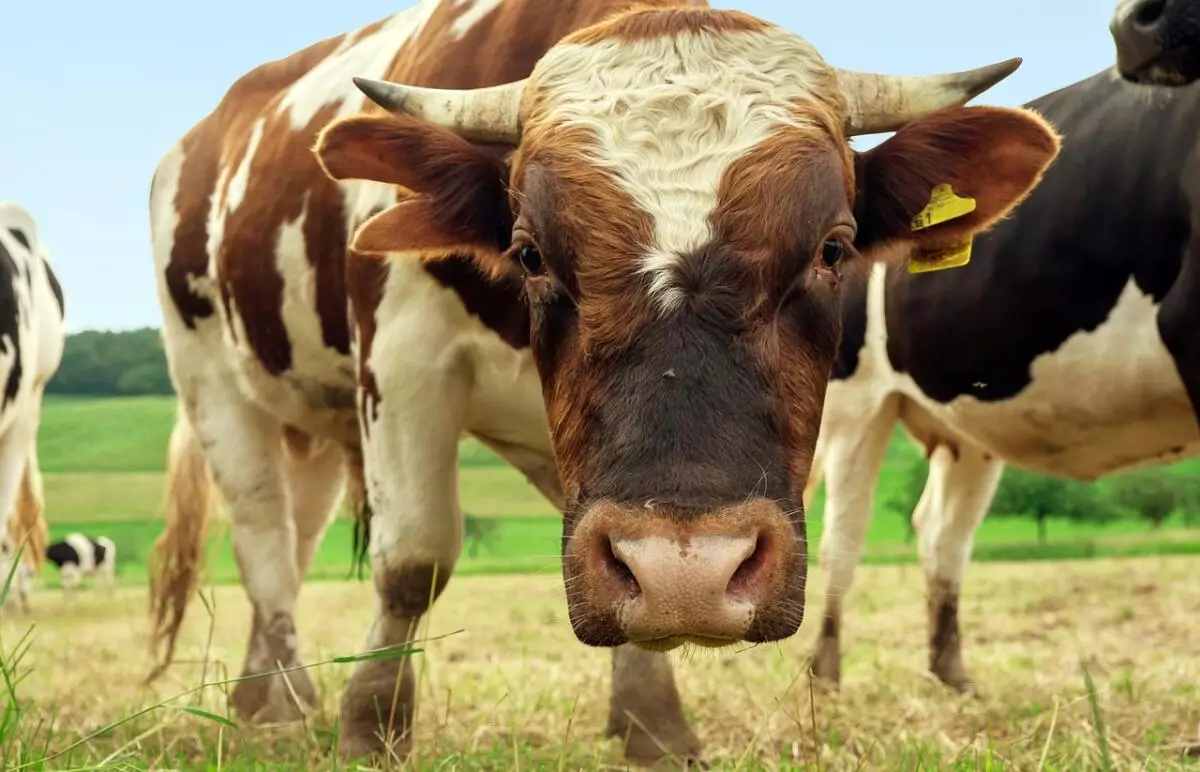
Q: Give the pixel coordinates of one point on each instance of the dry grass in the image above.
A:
(514, 689)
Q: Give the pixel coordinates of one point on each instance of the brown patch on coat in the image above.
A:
(590, 232)
(778, 205)
(284, 184)
(366, 278)
(646, 21)
(203, 149)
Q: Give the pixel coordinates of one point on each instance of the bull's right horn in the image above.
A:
(482, 114)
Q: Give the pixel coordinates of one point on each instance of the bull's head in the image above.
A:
(682, 205)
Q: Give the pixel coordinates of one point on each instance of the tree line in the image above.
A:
(1153, 495)
(113, 364)
(133, 363)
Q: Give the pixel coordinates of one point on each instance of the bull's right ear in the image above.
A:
(456, 201)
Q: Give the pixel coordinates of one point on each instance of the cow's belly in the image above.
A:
(1105, 401)
(316, 394)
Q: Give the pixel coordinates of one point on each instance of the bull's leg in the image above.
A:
(244, 448)
(853, 440)
(962, 481)
(410, 462)
(644, 709)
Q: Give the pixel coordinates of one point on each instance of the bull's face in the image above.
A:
(1158, 41)
(682, 206)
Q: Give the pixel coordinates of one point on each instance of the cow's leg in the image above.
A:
(644, 707)
(29, 516)
(70, 576)
(962, 481)
(244, 449)
(1178, 318)
(411, 428)
(14, 449)
(316, 476)
(854, 436)
(106, 570)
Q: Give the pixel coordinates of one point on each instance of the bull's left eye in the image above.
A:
(832, 251)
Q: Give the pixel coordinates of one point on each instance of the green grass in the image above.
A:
(503, 683)
(103, 462)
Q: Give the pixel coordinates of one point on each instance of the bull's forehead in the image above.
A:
(668, 101)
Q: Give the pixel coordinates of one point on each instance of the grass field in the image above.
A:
(509, 688)
(103, 462)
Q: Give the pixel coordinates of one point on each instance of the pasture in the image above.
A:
(504, 684)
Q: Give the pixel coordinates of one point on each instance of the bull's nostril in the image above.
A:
(619, 570)
(1149, 13)
(746, 575)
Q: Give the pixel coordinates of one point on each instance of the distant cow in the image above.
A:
(613, 250)
(78, 556)
(32, 334)
(1068, 345)
(1158, 41)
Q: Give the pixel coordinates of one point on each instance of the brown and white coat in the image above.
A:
(618, 265)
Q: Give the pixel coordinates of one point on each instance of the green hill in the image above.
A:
(103, 460)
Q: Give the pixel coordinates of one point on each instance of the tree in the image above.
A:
(1154, 494)
(98, 363)
(1028, 494)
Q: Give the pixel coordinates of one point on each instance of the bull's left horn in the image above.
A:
(878, 103)
(481, 114)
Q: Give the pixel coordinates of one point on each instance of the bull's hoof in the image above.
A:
(270, 699)
(364, 744)
(826, 663)
(647, 748)
(367, 729)
(950, 670)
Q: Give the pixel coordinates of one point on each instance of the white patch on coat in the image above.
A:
(471, 12)
(332, 79)
(671, 114)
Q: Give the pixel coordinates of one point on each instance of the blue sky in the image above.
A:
(95, 93)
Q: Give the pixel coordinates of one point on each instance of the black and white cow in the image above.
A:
(32, 334)
(78, 556)
(1067, 345)
(1158, 41)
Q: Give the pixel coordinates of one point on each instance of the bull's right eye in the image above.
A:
(530, 259)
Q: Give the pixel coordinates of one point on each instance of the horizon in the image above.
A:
(135, 82)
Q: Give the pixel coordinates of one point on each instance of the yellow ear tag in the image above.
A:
(943, 205)
(954, 257)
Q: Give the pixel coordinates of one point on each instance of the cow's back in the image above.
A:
(250, 236)
(1044, 346)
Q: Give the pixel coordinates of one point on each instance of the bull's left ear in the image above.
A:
(940, 180)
